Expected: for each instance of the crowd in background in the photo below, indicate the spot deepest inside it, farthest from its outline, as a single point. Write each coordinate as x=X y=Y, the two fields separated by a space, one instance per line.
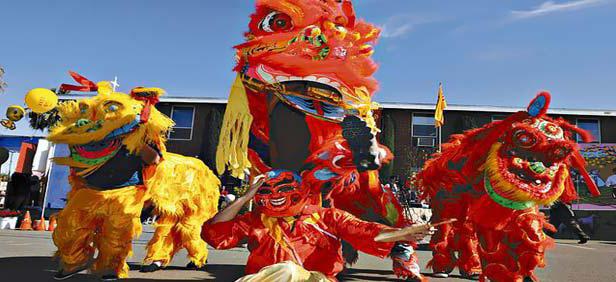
x=23 y=190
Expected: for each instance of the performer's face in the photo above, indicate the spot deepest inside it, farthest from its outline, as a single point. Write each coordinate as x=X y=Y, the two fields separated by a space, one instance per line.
x=282 y=194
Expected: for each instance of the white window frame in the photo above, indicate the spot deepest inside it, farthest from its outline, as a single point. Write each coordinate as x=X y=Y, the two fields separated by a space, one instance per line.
x=192 y=124
x=413 y=130
x=577 y=136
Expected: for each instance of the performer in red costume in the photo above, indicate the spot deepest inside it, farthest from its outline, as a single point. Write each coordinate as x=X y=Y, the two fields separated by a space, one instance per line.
x=492 y=180
x=302 y=101
x=290 y=240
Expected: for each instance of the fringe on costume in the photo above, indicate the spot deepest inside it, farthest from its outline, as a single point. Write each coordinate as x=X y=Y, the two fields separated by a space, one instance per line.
x=232 y=151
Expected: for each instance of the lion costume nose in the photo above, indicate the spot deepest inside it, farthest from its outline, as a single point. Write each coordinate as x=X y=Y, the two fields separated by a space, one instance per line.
x=82 y=122
x=558 y=151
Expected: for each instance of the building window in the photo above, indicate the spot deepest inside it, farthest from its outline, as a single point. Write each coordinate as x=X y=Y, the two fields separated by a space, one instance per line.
x=498 y=117
x=591 y=125
x=184 y=117
x=423 y=131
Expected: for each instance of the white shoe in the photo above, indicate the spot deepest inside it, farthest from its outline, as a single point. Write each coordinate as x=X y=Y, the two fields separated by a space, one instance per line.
x=440 y=275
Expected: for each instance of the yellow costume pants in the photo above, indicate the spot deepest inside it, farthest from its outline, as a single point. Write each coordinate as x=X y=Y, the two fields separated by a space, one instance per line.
x=285 y=271
x=174 y=233
x=103 y=220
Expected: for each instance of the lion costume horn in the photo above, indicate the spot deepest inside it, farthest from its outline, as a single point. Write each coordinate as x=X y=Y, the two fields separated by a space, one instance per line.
x=538 y=108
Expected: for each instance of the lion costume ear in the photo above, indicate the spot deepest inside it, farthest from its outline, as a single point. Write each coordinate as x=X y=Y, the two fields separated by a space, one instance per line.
x=85 y=85
x=539 y=106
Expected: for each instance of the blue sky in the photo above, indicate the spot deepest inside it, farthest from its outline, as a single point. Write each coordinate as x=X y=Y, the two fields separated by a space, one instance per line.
x=486 y=52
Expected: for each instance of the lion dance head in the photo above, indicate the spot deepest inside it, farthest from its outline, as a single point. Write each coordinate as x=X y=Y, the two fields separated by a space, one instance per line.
x=521 y=161
x=306 y=50
x=95 y=128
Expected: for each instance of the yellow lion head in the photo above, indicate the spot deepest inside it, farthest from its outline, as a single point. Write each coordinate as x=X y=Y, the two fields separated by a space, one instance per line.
x=110 y=115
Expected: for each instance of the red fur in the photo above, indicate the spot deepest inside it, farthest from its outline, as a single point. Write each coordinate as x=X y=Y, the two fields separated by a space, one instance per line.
x=297 y=60
x=339 y=52
x=512 y=241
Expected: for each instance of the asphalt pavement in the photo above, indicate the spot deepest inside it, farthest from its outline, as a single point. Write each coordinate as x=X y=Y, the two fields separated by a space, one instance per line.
x=27 y=256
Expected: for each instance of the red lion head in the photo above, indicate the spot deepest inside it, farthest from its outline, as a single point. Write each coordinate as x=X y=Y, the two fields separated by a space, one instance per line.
x=521 y=161
x=311 y=49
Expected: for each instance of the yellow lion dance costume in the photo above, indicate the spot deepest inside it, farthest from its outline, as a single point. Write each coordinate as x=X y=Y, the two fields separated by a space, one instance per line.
x=118 y=162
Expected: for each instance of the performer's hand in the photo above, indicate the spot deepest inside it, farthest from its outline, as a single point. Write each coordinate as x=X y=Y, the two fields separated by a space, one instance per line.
x=414 y=233
x=149 y=155
x=420 y=231
x=232 y=210
x=254 y=187
x=420 y=235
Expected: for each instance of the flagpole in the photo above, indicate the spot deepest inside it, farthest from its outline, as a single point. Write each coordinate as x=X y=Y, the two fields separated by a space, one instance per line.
x=440 y=147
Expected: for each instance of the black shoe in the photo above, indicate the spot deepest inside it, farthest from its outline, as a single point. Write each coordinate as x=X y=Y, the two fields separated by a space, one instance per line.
x=470 y=276
x=413 y=279
x=359 y=136
x=150 y=268
x=583 y=240
x=192 y=266
x=61 y=275
x=110 y=277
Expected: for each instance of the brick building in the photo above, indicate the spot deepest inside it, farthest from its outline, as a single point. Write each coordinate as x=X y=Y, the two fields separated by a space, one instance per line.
x=414 y=135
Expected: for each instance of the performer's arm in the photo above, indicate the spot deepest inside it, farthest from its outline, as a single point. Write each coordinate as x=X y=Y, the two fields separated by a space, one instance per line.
x=225 y=230
x=150 y=154
x=360 y=234
x=231 y=211
x=226 y=234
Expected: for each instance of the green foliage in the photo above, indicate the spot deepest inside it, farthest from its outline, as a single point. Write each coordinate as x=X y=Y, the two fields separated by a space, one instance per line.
x=388 y=138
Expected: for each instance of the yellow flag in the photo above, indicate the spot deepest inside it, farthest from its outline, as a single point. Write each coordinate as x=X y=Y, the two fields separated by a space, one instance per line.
x=441 y=104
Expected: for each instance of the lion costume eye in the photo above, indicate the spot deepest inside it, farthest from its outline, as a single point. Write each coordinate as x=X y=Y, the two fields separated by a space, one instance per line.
x=112 y=107
x=264 y=191
x=83 y=108
x=286 y=188
x=276 y=22
x=524 y=139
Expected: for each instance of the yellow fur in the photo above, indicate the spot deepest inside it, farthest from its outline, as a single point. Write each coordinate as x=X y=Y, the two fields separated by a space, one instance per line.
x=184 y=190
x=505 y=188
x=186 y=196
x=96 y=112
x=115 y=213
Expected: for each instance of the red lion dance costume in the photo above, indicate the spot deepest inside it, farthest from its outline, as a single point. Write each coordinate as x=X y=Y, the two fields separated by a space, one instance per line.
x=302 y=102
x=290 y=240
x=492 y=180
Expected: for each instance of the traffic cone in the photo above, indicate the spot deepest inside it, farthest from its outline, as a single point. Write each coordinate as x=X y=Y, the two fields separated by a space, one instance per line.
x=52 y=223
x=40 y=226
x=26 y=223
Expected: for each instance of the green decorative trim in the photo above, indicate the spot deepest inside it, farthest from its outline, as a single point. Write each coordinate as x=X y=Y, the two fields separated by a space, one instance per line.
x=504 y=201
x=392 y=213
x=77 y=157
x=538 y=167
